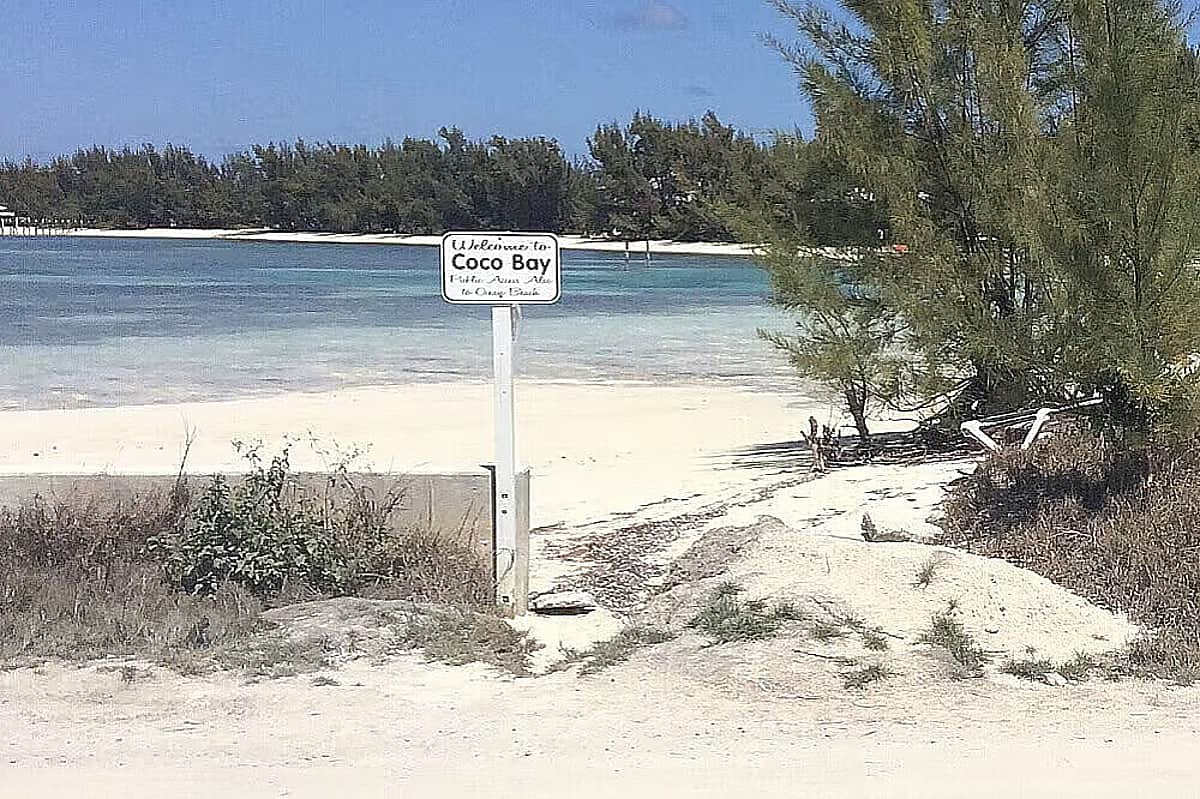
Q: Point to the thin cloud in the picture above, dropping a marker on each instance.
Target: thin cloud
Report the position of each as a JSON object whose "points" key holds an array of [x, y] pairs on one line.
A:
{"points": [[652, 16], [698, 91]]}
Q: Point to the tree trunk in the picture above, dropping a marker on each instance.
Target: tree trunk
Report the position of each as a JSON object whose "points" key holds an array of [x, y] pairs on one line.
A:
{"points": [[856, 402]]}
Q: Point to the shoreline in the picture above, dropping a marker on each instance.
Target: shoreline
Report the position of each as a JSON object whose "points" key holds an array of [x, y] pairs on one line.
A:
{"points": [[637, 249]]}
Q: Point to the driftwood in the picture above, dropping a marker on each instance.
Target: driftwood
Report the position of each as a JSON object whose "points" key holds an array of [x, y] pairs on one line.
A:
{"points": [[822, 443], [1034, 418]]}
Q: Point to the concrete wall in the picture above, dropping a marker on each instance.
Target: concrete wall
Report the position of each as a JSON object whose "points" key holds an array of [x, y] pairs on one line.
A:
{"points": [[455, 504]]}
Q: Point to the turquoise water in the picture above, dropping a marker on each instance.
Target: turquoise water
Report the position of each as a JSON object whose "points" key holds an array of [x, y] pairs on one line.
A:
{"points": [[118, 321]]}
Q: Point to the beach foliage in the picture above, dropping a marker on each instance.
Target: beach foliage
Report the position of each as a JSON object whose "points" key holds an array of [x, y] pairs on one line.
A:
{"points": [[274, 533], [616, 650], [948, 633], [1113, 524], [867, 675], [76, 581], [257, 533], [727, 617], [182, 578], [1037, 166], [843, 335]]}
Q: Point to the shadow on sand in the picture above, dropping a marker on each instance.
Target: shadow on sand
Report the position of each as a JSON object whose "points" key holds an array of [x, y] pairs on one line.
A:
{"points": [[897, 448]]}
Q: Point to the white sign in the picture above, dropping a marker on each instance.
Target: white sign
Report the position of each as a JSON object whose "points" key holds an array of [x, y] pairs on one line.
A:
{"points": [[501, 268]]}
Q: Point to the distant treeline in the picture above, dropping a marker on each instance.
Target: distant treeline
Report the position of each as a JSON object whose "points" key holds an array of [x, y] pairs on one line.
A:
{"points": [[648, 179]]}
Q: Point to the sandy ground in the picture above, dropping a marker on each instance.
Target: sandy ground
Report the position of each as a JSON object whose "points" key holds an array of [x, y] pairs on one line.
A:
{"points": [[637, 249], [409, 729], [658, 442], [663, 447], [674, 470]]}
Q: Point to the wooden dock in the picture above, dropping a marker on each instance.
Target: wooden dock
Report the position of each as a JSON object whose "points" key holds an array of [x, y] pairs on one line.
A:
{"points": [[15, 224]]}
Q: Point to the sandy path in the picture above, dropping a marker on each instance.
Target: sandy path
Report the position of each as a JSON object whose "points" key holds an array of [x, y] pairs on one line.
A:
{"points": [[409, 729]]}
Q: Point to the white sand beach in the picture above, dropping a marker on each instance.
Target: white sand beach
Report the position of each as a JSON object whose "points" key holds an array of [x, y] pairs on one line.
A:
{"points": [[637, 249], [684, 718], [594, 449], [604, 459], [598, 453]]}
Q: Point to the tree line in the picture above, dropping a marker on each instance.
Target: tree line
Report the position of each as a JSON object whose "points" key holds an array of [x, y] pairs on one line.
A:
{"points": [[646, 179]]}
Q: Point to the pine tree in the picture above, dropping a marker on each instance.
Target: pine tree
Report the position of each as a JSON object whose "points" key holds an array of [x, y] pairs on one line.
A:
{"points": [[844, 336], [1125, 234], [936, 109], [1037, 161]]}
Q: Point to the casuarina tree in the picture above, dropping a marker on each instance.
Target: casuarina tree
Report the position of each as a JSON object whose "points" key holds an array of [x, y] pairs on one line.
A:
{"points": [[992, 133]]}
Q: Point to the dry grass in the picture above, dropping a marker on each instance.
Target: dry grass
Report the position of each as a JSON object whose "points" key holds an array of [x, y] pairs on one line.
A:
{"points": [[839, 624], [874, 640], [615, 650], [861, 678], [458, 636], [81, 579], [1078, 669], [928, 572], [824, 630], [1030, 668], [76, 582], [1121, 528], [126, 610]]}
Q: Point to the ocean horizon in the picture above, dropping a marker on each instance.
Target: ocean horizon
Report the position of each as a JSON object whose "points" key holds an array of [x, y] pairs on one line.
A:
{"points": [[109, 322]]}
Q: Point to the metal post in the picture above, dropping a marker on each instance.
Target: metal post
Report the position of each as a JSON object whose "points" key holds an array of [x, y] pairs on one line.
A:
{"points": [[503, 343]]}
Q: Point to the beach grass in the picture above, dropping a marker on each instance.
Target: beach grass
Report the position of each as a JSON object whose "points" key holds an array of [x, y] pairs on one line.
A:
{"points": [[179, 578], [1106, 522]]}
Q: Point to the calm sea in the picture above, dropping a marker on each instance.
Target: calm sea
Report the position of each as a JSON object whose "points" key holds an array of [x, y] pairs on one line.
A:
{"points": [[110, 322]]}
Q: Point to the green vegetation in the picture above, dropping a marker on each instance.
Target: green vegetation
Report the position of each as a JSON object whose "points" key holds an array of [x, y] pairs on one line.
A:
{"points": [[873, 640], [927, 572], [1028, 669], [183, 581], [948, 633], [861, 678], [1078, 669], [459, 635], [649, 178], [617, 649], [825, 631], [727, 618], [1040, 166], [270, 535]]}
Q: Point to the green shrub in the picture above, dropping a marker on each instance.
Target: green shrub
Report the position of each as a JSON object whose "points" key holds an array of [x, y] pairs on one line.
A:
{"points": [[259, 534], [274, 537], [861, 678], [947, 632], [727, 618]]}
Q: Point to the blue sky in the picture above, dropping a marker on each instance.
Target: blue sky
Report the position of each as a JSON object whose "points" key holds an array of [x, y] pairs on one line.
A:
{"points": [[221, 74]]}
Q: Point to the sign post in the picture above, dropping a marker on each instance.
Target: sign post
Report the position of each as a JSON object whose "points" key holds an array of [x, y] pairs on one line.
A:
{"points": [[504, 501], [503, 270]]}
